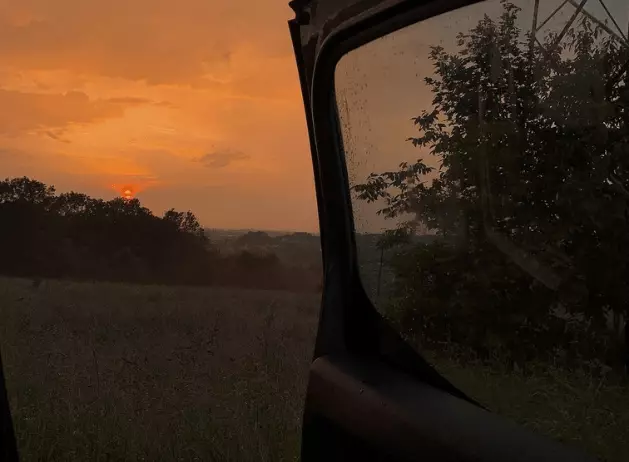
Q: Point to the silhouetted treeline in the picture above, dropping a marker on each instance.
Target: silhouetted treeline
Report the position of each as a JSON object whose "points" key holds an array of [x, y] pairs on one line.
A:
{"points": [[72, 235], [265, 270]]}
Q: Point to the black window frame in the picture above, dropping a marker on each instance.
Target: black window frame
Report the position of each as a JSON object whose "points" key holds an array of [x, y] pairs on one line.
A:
{"points": [[338, 231]]}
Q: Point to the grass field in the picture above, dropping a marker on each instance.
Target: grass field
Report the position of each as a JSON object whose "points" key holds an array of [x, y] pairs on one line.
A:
{"points": [[577, 408], [109, 372], [112, 372]]}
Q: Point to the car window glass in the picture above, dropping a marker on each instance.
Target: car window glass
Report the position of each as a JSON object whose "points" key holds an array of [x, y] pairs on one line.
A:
{"points": [[487, 156]]}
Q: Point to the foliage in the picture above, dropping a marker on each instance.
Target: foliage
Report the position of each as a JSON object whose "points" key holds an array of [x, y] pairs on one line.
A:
{"points": [[254, 238], [77, 236], [72, 235], [185, 221], [529, 196]]}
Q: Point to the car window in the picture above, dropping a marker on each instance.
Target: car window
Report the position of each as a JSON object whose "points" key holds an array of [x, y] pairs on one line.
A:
{"points": [[487, 151], [159, 289]]}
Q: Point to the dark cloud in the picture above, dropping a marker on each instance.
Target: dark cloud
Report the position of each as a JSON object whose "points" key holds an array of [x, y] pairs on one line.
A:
{"points": [[51, 113], [57, 135], [222, 158]]}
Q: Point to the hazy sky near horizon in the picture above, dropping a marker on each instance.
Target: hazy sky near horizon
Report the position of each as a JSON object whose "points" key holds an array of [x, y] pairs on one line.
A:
{"points": [[193, 104]]}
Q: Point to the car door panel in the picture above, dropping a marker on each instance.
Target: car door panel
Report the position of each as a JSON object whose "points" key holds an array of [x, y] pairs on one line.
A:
{"points": [[410, 420]]}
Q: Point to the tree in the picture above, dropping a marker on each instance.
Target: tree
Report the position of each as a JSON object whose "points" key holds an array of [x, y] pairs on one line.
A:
{"points": [[530, 199], [72, 204], [254, 239], [185, 221], [74, 235], [25, 190]]}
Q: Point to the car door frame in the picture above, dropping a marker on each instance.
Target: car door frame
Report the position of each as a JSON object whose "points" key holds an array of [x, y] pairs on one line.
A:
{"points": [[368, 390], [8, 444]]}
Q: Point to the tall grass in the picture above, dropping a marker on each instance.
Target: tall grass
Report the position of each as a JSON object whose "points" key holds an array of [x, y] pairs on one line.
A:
{"points": [[110, 372], [578, 407]]}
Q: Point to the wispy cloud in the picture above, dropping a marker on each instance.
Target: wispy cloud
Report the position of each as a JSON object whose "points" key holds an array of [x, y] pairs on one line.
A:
{"points": [[222, 158], [57, 135]]}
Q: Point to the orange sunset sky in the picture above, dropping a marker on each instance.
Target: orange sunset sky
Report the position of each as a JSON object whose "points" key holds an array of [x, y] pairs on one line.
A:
{"points": [[192, 104], [195, 104]]}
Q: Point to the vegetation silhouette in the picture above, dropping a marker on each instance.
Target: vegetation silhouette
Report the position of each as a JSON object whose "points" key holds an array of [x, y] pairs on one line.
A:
{"points": [[71, 235]]}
